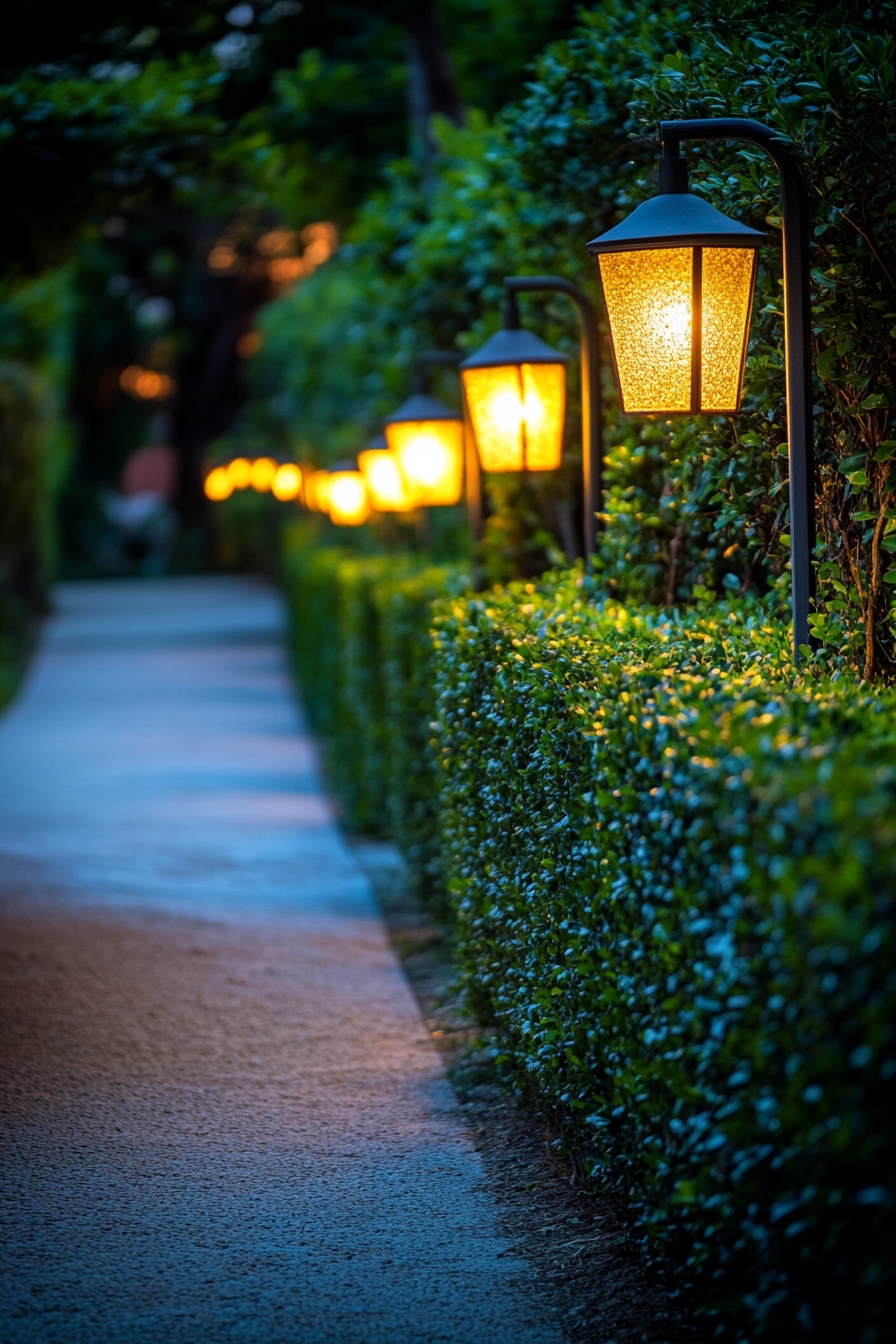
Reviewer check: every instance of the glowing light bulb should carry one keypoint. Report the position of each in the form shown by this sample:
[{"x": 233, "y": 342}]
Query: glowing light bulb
[
  {"x": 239, "y": 473},
  {"x": 218, "y": 484},
  {"x": 287, "y": 482},
  {"x": 264, "y": 469}
]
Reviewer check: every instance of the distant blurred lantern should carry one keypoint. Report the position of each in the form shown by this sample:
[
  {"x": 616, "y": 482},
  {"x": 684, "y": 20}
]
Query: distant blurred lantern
[
  {"x": 678, "y": 279},
  {"x": 515, "y": 388},
  {"x": 239, "y": 473},
  {"x": 427, "y": 438},
  {"x": 146, "y": 383},
  {"x": 347, "y": 496},
  {"x": 317, "y": 491},
  {"x": 386, "y": 487},
  {"x": 264, "y": 469},
  {"x": 249, "y": 344},
  {"x": 287, "y": 483},
  {"x": 218, "y": 484}
]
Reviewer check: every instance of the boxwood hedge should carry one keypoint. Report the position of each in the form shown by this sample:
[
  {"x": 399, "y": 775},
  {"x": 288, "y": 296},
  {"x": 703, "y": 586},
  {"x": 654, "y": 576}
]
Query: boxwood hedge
[{"x": 671, "y": 871}]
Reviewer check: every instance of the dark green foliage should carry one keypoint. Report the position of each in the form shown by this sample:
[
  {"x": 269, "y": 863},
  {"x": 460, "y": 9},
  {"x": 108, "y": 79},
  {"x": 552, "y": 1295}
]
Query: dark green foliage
[
  {"x": 671, "y": 873},
  {"x": 360, "y": 636},
  {"x": 673, "y": 876},
  {"x": 691, "y": 504},
  {"x": 404, "y": 613}
]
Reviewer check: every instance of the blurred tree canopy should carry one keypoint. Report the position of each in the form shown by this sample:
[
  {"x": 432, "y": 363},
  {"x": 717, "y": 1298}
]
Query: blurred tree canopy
[{"x": 139, "y": 137}]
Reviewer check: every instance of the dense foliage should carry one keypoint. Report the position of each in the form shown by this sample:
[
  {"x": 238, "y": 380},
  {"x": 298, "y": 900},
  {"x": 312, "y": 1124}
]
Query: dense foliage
[
  {"x": 363, "y": 653},
  {"x": 693, "y": 504},
  {"x": 671, "y": 877}
]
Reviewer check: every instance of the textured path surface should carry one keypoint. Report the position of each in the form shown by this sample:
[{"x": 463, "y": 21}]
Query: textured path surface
[{"x": 222, "y": 1119}]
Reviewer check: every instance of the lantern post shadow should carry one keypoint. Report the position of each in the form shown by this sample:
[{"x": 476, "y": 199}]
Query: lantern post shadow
[{"x": 667, "y": 227}]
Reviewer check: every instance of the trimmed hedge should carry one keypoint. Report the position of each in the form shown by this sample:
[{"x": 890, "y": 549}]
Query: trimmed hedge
[
  {"x": 673, "y": 877},
  {"x": 671, "y": 872},
  {"x": 363, "y": 654}
]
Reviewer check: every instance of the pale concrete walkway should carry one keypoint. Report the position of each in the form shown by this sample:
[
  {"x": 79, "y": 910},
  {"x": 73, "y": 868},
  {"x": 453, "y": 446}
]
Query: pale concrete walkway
[{"x": 222, "y": 1119}]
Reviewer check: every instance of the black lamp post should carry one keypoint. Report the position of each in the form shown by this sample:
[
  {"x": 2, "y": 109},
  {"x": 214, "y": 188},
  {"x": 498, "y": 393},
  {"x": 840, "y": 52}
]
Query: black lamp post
[
  {"x": 515, "y": 390},
  {"x": 678, "y": 281}
]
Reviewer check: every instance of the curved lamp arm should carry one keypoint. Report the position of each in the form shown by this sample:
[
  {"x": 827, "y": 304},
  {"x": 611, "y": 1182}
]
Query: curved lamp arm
[
  {"x": 592, "y": 408},
  {"x": 797, "y": 338}
]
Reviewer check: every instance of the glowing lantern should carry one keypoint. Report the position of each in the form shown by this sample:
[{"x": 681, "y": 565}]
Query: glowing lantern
[
  {"x": 427, "y": 439},
  {"x": 347, "y": 498},
  {"x": 317, "y": 491},
  {"x": 239, "y": 473},
  {"x": 678, "y": 279},
  {"x": 217, "y": 484},
  {"x": 264, "y": 469},
  {"x": 287, "y": 482},
  {"x": 516, "y": 393},
  {"x": 386, "y": 487}
]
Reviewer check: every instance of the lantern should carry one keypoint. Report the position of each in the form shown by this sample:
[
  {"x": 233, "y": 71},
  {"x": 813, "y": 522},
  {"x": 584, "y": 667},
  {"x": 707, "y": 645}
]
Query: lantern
[
  {"x": 386, "y": 487},
  {"x": 287, "y": 482},
  {"x": 678, "y": 279},
  {"x": 264, "y": 469},
  {"x": 347, "y": 496},
  {"x": 217, "y": 484},
  {"x": 427, "y": 439},
  {"x": 515, "y": 388},
  {"x": 317, "y": 491},
  {"x": 239, "y": 473}
]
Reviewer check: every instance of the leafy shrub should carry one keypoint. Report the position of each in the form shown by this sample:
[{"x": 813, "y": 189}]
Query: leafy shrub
[
  {"x": 673, "y": 878},
  {"x": 360, "y": 635}
]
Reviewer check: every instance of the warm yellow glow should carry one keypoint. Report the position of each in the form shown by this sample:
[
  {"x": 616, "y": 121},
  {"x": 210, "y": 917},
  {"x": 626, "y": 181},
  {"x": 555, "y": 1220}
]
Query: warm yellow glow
[
  {"x": 287, "y": 483},
  {"x": 517, "y": 413},
  {"x": 727, "y": 291},
  {"x": 221, "y": 258},
  {"x": 264, "y": 469},
  {"x": 217, "y": 484},
  {"x": 649, "y": 297},
  {"x": 430, "y": 454},
  {"x": 239, "y": 473},
  {"x": 317, "y": 491},
  {"x": 386, "y": 486},
  {"x": 348, "y": 502}
]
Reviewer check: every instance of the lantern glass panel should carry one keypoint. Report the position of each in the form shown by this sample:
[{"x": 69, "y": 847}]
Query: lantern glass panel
[
  {"x": 649, "y": 304},
  {"x": 517, "y": 412},
  {"x": 347, "y": 498},
  {"x": 386, "y": 486},
  {"x": 726, "y": 302},
  {"x": 430, "y": 455}
]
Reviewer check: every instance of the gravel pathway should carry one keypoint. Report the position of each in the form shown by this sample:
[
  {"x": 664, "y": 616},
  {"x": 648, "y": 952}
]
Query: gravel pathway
[{"x": 222, "y": 1118}]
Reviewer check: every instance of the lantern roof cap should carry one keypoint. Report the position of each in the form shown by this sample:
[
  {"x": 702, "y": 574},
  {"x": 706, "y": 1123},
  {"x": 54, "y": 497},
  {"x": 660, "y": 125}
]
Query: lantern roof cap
[
  {"x": 676, "y": 219},
  {"x": 513, "y": 345},
  {"x": 421, "y": 406}
]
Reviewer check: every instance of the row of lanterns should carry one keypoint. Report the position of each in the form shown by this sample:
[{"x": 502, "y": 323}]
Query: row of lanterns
[{"x": 677, "y": 277}]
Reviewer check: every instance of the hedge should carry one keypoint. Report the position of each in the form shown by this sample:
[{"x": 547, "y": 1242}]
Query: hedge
[
  {"x": 671, "y": 874},
  {"x": 362, "y": 649},
  {"x": 673, "y": 878}
]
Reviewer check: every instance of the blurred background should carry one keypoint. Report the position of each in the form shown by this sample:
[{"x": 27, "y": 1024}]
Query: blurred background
[{"x": 178, "y": 174}]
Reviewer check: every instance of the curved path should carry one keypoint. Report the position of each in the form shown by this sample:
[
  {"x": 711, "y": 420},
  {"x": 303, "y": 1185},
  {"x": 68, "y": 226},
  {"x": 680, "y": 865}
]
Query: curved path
[{"x": 222, "y": 1118}]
